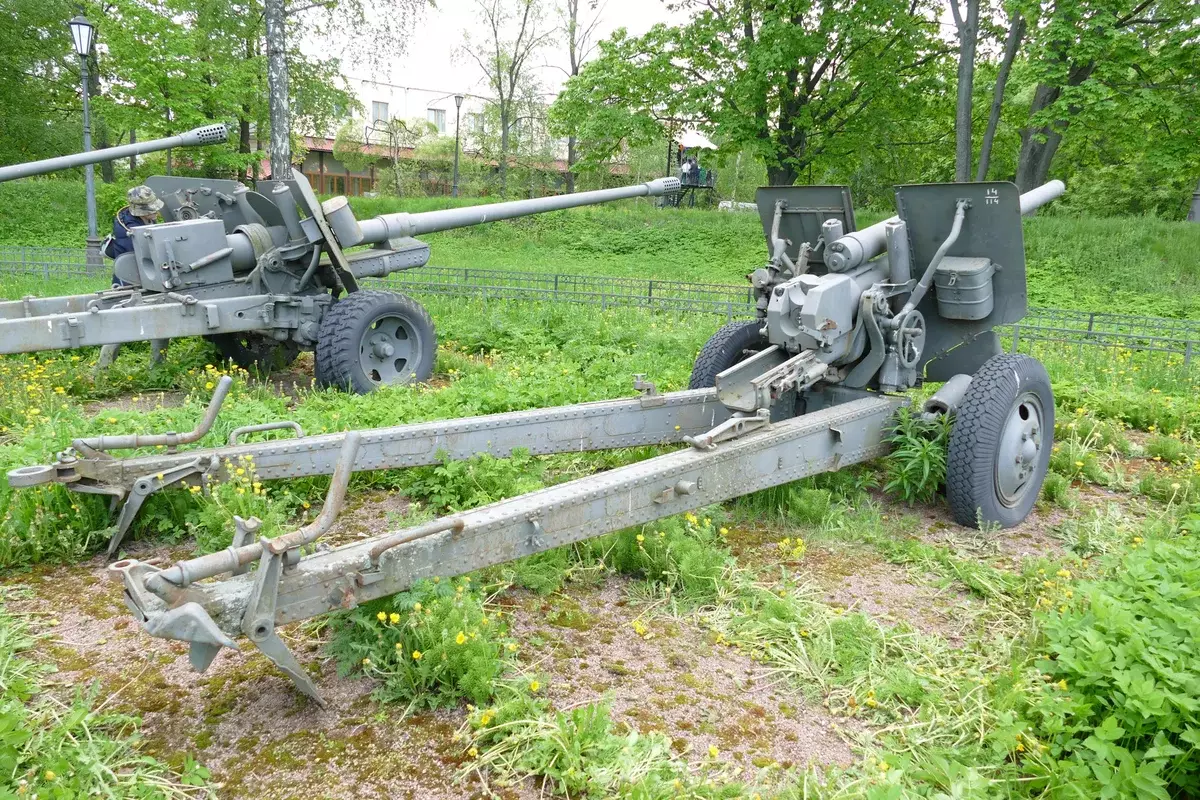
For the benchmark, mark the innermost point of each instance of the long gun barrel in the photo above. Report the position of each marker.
(861, 246)
(206, 134)
(350, 231)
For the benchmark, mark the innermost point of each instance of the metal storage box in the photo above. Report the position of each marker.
(964, 287)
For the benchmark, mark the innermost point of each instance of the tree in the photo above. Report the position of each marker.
(967, 25)
(579, 33)
(515, 31)
(1012, 43)
(787, 82)
(398, 141)
(1096, 58)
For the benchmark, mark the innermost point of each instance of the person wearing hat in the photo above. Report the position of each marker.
(142, 209)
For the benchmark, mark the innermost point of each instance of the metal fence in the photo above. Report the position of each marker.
(1179, 337)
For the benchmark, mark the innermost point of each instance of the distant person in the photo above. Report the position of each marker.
(142, 209)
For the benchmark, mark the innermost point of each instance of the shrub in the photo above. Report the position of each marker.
(458, 485)
(916, 468)
(1118, 709)
(430, 646)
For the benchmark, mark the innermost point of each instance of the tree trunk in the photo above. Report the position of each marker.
(503, 152)
(571, 156)
(968, 34)
(277, 90)
(244, 143)
(1038, 145)
(133, 158)
(781, 175)
(1194, 213)
(1011, 45)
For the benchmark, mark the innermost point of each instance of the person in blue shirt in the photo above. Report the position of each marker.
(143, 209)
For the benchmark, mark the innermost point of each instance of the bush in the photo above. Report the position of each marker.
(916, 468)
(430, 646)
(1118, 709)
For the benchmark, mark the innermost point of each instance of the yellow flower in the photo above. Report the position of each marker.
(884, 766)
(713, 752)
(417, 655)
(641, 538)
(534, 686)
(416, 607)
(208, 385)
(511, 647)
(724, 531)
(366, 662)
(240, 471)
(1062, 573)
(474, 751)
(381, 616)
(112, 420)
(1079, 463)
(461, 638)
(394, 618)
(50, 776)
(485, 718)
(1062, 684)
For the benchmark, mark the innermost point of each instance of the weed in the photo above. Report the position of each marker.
(1167, 448)
(1056, 488)
(915, 469)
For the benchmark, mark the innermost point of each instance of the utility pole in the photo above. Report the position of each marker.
(458, 100)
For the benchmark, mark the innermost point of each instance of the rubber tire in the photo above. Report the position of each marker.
(342, 330)
(975, 438)
(725, 348)
(262, 357)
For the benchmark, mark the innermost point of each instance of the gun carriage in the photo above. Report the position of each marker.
(846, 320)
(265, 273)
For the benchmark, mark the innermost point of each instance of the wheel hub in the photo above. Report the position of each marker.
(1020, 449)
(389, 349)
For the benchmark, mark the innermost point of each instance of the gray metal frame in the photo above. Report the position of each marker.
(286, 588)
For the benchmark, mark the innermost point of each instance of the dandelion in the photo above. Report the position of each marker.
(366, 662)
(461, 638)
(485, 718)
(724, 531)
(641, 538)
(1079, 463)
(713, 751)
(381, 616)
(511, 647)
(1062, 573)
(1062, 684)
(417, 655)
(417, 607)
(534, 686)
(474, 751)
(50, 776)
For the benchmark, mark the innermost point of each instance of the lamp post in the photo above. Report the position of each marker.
(458, 98)
(82, 35)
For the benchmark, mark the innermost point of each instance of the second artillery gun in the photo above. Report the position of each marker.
(265, 273)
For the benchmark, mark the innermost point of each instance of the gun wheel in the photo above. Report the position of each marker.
(255, 353)
(371, 339)
(1000, 443)
(733, 342)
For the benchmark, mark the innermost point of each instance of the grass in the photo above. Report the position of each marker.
(67, 745)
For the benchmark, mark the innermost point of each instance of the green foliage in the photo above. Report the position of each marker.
(915, 469)
(1056, 488)
(684, 555)
(576, 752)
(56, 749)
(1118, 709)
(431, 646)
(458, 485)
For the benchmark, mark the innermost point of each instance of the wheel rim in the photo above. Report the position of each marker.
(389, 350)
(1019, 457)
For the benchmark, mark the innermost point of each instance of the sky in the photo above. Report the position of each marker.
(431, 61)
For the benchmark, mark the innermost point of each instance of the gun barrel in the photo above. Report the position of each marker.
(392, 226)
(206, 134)
(861, 246)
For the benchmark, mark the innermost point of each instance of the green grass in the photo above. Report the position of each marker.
(68, 746)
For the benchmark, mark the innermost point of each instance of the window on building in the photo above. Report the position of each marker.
(438, 117)
(475, 122)
(379, 111)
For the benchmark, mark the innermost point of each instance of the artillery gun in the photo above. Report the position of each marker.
(846, 319)
(261, 274)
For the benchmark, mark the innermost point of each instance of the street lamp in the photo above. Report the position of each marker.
(458, 98)
(82, 34)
